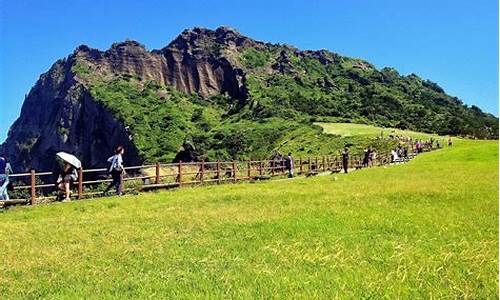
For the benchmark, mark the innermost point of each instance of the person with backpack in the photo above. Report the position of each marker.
(116, 170)
(5, 170)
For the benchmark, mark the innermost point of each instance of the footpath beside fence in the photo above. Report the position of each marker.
(38, 187)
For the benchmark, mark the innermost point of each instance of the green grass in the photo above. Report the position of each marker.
(351, 129)
(427, 229)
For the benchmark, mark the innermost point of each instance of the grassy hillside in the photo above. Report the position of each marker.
(352, 129)
(284, 91)
(161, 119)
(427, 229)
(323, 84)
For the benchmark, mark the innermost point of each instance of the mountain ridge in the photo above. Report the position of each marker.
(208, 86)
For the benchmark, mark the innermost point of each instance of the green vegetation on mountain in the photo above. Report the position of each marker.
(286, 92)
(161, 119)
(326, 84)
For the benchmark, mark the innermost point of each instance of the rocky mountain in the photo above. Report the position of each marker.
(223, 93)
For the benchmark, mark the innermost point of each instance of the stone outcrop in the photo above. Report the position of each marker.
(190, 63)
(59, 113)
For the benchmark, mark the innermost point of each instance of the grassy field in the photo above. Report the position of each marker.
(351, 129)
(426, 229)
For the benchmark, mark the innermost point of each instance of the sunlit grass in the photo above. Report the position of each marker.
(351, 129)
(427, 229)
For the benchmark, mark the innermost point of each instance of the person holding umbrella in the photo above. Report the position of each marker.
(67, 174)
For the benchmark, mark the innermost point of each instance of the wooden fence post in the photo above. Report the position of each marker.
(272, 168)
(218, 171)
(32, 187)
(234, 171)
(157, 175)
(324, 164)
(80, 183)
(202, 171)
(249, 169)
(317, 166)
(179, 172)
(310, 164)
(260, 167)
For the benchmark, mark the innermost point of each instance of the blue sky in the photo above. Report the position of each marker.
(454, 43)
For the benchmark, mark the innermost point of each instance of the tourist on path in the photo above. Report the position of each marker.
(345, 159)
(366, 158)
(394, 156)
(289, 165)
(116, 170)
(67, 175)
(373, 156)
(5, 170)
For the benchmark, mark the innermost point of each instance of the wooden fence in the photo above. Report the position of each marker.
(160, 175)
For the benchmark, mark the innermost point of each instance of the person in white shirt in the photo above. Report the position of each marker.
(116, 170)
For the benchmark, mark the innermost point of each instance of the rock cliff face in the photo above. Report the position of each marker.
(60, 115)
(190, 63)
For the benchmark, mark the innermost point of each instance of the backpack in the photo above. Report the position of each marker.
(112, 161)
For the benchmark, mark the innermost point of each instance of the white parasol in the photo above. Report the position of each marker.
(69, 158)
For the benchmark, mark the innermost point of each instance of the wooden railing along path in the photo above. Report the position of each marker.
(160, 175)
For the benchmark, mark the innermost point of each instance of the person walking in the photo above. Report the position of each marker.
(289, 165)
(5, 171)
(345, 159)
(373, 157)
(116, 170)
(394, 156)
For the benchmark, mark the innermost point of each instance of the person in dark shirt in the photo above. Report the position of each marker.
(366, 158)
(345, 159)
(289, 165)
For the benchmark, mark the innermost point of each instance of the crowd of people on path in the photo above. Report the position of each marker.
(68, 174)
(69, 165)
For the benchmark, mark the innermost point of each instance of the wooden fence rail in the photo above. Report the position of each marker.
(161, 175)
